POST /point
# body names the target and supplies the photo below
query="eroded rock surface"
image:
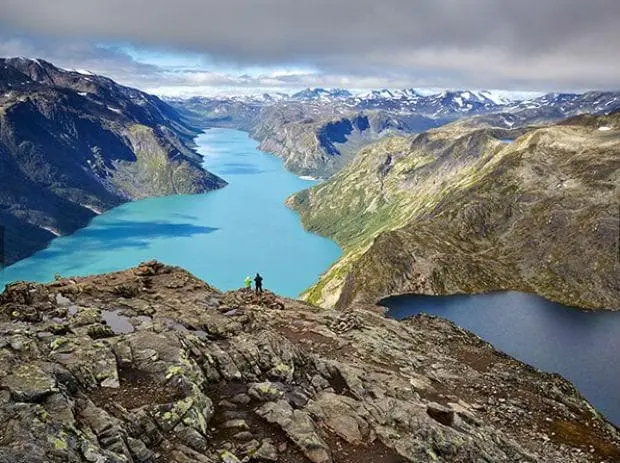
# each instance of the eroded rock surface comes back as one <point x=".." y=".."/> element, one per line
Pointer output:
<point x="230" y="377"/>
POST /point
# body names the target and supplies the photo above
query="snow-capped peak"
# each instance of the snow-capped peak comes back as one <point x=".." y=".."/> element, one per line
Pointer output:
<point x="321" y="94"/>
<point x="389" y="94"/>
<point x="84" y="72"/>
<point x="497" y="97"/>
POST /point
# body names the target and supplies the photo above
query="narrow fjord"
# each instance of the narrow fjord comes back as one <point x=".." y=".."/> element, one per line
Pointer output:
<point x="221" y="236"/>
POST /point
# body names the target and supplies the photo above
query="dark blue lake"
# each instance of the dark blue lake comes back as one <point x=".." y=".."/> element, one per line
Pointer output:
<point x="584" y="347"/>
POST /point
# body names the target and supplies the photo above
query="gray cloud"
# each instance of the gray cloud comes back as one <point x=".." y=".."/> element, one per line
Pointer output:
<point x="538" y="44"/>
<point x="72" y="54"/>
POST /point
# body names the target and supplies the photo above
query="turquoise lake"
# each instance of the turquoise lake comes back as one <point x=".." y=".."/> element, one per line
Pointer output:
<point x="221" y="236"/>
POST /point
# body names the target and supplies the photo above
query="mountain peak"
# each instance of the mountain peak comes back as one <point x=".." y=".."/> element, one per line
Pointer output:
<point x="320" y="93"/>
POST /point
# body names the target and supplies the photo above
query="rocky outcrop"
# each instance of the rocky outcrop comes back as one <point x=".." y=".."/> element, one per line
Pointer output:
<point x="184" y="373"/>
<point x="461" y="210"/>
<point x="74" y="145"/>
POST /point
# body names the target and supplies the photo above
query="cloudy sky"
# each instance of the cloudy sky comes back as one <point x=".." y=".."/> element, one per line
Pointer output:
<point x="205" y="46"/>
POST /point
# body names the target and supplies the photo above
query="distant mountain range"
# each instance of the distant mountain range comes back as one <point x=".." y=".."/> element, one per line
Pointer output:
<point x="321" y="94"/>
<point x="446" y="104"/>
<point x="73" y="145"/>
<point x="314" y="130"/>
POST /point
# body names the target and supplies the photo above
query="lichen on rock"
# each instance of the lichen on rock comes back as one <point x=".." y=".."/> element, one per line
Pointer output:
<point x="195" y="386"/>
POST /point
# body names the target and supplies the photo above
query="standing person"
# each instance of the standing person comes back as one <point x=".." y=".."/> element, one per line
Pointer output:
<point x="248" y="282"/>
<point x="258" y="283"/>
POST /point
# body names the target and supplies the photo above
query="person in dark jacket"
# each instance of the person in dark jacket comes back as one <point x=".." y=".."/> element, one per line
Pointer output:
<point x="258" y="283"/>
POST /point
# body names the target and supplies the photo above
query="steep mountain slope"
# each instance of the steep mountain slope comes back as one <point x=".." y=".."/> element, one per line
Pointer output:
<point x="462" y="210"/>
<point x="182" y="373"/>
<point x="315" y="142"/>
<point x="73" y="145"/>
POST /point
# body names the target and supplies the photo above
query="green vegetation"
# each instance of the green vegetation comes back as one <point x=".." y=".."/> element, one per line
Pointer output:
<point x="456" y="210"/>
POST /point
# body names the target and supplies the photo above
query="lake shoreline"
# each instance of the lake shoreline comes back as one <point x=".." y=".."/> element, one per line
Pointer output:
<point x="579" y="345"/>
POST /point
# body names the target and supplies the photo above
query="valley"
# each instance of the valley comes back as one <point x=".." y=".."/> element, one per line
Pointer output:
<point x="317" y="132"/>
<point x="75" y="144"/>
<point x="221" y="236"/>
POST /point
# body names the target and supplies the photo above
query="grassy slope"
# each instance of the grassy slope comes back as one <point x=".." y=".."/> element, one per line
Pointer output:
<point x="155" y="172"/>
<point x="455" y="210"/>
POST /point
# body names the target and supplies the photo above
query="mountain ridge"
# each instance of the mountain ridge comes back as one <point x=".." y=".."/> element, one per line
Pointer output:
<point x="74" y="145"/>
<point x="465" y="210"/>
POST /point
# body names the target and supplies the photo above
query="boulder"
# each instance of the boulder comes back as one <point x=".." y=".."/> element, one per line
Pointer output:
<point x="29" y="383"/>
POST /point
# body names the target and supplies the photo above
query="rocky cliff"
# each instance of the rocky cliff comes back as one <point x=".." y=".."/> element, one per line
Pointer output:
<point x="74" y="145"/>
<point x="154" y="365"/>
<point x="465" y="210"/>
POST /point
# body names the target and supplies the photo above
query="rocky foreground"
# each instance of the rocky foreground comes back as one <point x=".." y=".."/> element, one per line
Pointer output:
<point x="184" y="373"/>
